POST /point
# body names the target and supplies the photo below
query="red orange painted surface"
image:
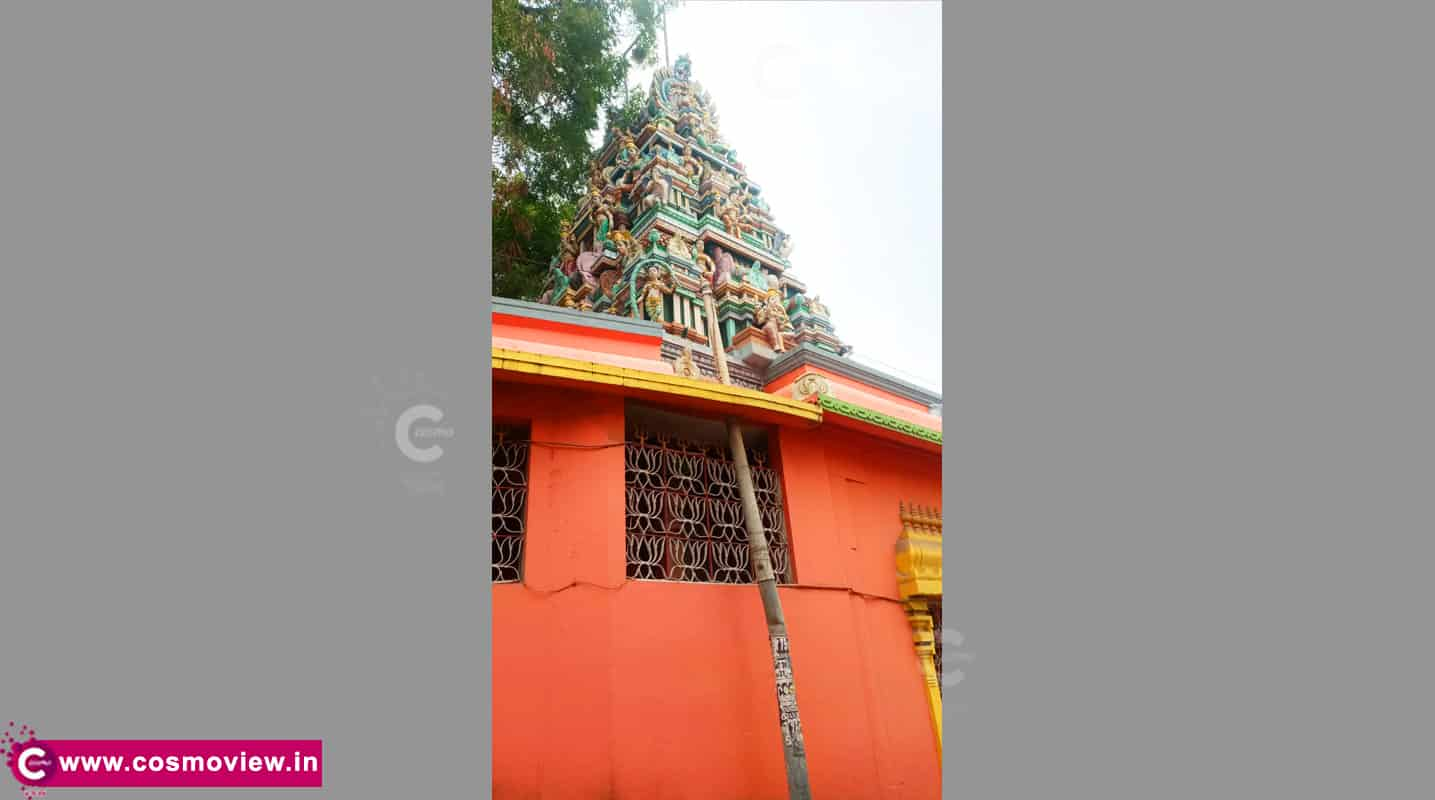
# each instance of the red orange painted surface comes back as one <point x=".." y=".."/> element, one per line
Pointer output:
<point x="581" y="342"/>
<point x="609" y="688"/>
<point x="854" y="391"/>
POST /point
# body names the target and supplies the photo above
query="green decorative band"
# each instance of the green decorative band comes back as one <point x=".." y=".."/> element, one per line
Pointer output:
<point x="830" y="403"/>
<point x="673" y="213"/>
<point x="642" y="222"/>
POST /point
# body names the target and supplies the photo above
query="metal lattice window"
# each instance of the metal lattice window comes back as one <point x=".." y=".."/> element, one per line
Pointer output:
<point x="684" y="517"/>
<point x="510" y="501"/>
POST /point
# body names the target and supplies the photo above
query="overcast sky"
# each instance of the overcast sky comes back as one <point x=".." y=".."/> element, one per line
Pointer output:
<point x="835" y="109"/>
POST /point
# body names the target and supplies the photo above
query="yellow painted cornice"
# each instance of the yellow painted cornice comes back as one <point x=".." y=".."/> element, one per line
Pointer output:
<point x="919" y="553"/>
<point x="568" y="369"/>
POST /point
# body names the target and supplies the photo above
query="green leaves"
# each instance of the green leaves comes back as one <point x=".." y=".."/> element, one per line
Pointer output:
<point x="556" y="64"/>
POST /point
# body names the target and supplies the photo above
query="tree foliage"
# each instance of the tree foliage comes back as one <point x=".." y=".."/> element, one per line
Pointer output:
<point x="556" y="65"/>
<point x="626" y="114"/>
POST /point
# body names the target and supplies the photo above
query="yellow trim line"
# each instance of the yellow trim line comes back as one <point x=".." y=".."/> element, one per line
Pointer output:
<point x="625" y="377"/>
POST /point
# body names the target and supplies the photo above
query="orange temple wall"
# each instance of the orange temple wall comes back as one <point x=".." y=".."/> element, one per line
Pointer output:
<point x="605" y="687"/>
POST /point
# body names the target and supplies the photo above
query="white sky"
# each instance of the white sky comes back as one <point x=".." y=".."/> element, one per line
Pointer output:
<point x="835" y="108"/>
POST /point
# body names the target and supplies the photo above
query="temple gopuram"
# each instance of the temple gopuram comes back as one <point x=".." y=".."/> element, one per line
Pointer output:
<point x="631" y="658"/>
<point x="670" y="208"/>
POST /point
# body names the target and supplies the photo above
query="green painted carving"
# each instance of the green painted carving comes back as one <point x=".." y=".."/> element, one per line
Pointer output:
<point x="673" y="212"/>
<point x="830" y="403"/>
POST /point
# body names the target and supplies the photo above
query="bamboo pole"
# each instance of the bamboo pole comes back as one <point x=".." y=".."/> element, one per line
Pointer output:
<point x="794" y="751"/>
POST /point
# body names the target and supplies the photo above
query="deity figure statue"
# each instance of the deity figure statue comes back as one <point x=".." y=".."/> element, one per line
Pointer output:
<point x="726" y="266"/>
<point x="655" y="285"/>
<point x="567" y="246"/>
<point x="731" y="218"/>
<point x="747" y="217"/>
<point x="784" y="245"/>
<point x="658" y="188"/>
<point x="772" y="319"/>
<point x="734" y="201"/>
<point x="690" y="124"/>
<point x="623" y="242"/>
<point x="798" y="304"/>
<point x="679" y="246"/>
<point x="582" y="274"/>
<point x="705" y="136"/>
<point x="602" y="214"/>
<point x="618" y="190"/>
<point x="607" y="282"/>
<point x="627" y="148"/>
<point x="692" y="165"/>
<point x="685" y="366"/>
<point x="817" y="306"/>
<point x="757" y="277"/>
<point x="680" y="97"/>
<point x="704" y="262"/>
<point x="597" y="177"/>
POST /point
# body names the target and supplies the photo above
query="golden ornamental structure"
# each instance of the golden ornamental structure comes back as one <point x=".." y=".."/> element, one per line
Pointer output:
<point x="919" y="584"/>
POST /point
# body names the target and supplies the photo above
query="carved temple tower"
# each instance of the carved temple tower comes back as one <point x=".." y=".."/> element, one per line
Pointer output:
<point x="668" y="207"/>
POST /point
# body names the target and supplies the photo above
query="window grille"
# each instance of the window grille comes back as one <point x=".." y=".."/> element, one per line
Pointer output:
<point x="684" y="514"/>
<point x="510" y="501"/>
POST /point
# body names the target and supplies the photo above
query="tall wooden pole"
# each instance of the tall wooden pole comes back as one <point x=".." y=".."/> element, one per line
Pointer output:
<point x="794" y="751"/>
